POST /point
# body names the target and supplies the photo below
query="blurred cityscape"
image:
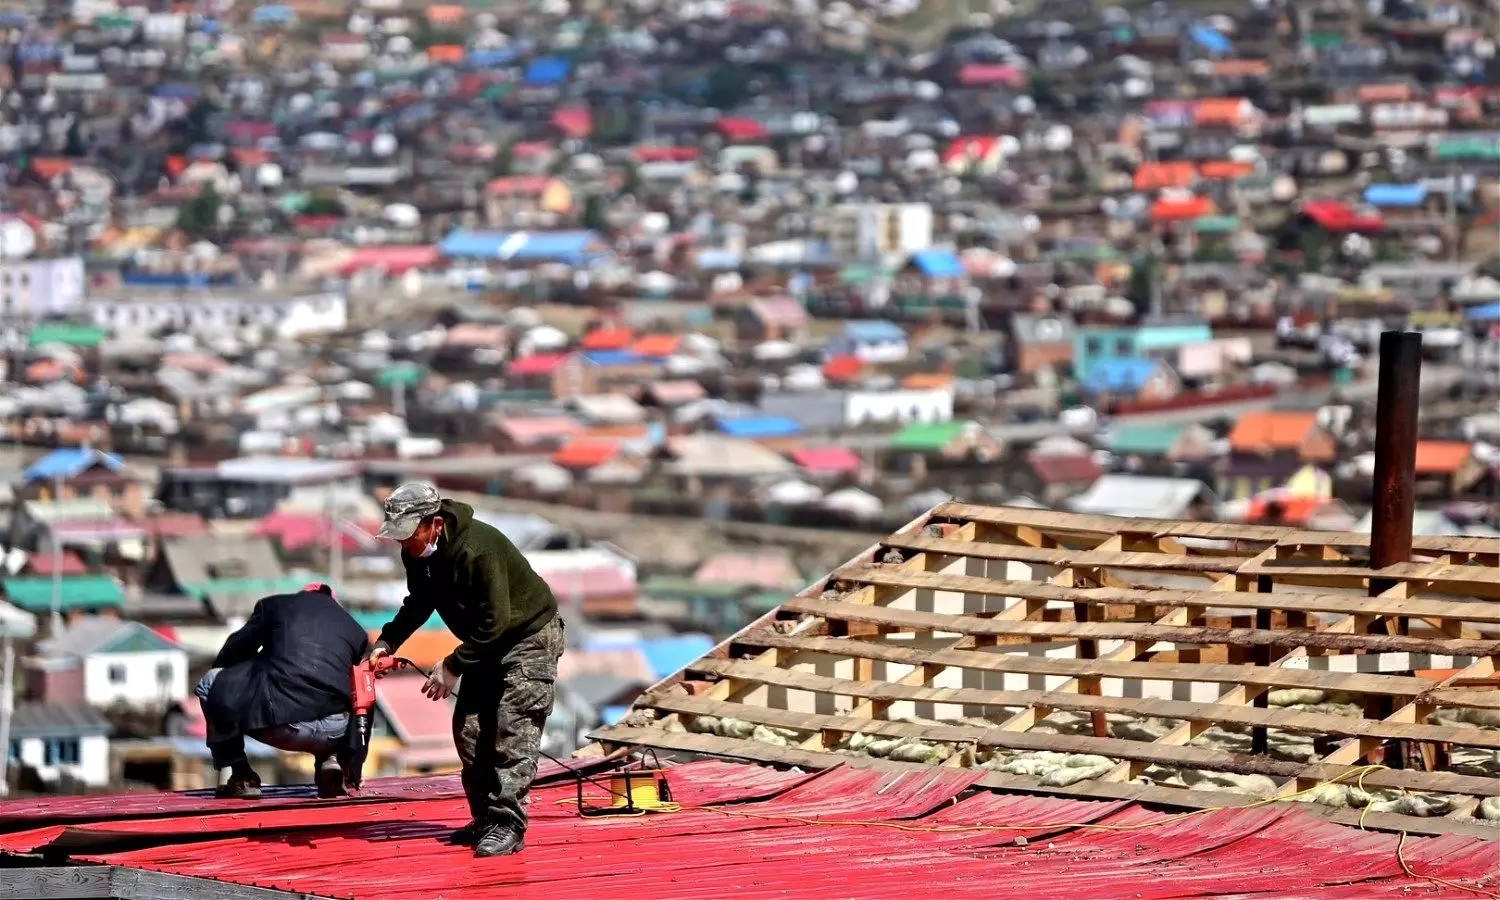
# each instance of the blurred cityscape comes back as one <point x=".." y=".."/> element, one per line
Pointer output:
<point x="692" y="300"/>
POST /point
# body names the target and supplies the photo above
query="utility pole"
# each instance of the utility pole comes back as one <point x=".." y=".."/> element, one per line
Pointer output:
<point x="7" y="707"/>
<point x="57" y="563"/>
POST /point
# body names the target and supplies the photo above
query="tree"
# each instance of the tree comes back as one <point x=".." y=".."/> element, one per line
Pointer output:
<point x="727" y="87"/>
<point x="75" y="145"/>
<point x="632" y="182"/>
<point x="1142" y="285"/>
<point x="199" y="216"/>
<point x="503" y="162"/>
<point x="593" y="213"/>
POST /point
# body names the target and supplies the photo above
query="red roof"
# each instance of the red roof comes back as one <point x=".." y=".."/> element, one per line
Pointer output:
<point x="1332" y="215"/>
<point x="843" y="368"/>
<point x="970" y="148"/>
<point x="536" y="364"/>
<point x="298" y="531"/>
<point x="739" y="128"/>
<point x="985" y="74"/>
<point x="666" y="154"/>
<point x="827" y="459"/>
<point x="573" y="122"/>
<point x="607" y="339"/>
<point x="518" y="185"/>
<point x="41" y="564"/>
<point x="1063" y="468"/>
<point x="395" y="259"/>
<point x="751" y="831"/>
<point x="585" y="454"/>
<point x="414" y="718"/>
<point x="1192" y="207"/>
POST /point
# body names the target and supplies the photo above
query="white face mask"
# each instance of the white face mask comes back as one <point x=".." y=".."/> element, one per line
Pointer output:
<point x="430" y="549"/>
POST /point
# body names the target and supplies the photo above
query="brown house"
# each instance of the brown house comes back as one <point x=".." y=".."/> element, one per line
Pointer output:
<point x="771" y="319"/>
<point x="83" y="473"/>
<point x="1266" y="447"/>
<point x="1054" y="477"/>
<point x="1040" y="342"/>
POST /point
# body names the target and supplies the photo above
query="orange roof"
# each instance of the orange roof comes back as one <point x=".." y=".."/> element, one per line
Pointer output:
<point x="1395" y="92"/>
<point x="607" y="339"/>
<point x="926" y="381"/>
<point x="1194" y="207"/>
<point x="426" y="647"/>
<point x="1158" y="175"/>
<point x="1225" y="169"/>
<point x="585" y="454"/>
<point x="444" y="13"/>
<point x="1240" y="68"/>
<point x="656" y="345"/>
<point x="1218" y="111"/>
<point x="50" y="167"/>
<point x="843" y="368"/>
<point x="1441" y="457"/>
<point x="613" y="432"/>
<point x="1292" y="511"/>
<point x="1271" y="430"/>
<point x="445" y="53"/>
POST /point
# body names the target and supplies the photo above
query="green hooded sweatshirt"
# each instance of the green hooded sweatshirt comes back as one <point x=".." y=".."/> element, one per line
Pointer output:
<point x="482" y="587"/>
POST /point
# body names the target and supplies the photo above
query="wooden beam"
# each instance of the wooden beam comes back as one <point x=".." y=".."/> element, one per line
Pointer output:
<point x="1018" y="662"/>
<point x="1062" y="558"/>
<point x="1340" y="604"/>
<point x="887" y="692"/>
<point x="1127" y="631"/>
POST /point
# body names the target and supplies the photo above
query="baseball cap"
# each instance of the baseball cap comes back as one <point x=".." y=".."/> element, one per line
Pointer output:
<point x="407" y="506"/>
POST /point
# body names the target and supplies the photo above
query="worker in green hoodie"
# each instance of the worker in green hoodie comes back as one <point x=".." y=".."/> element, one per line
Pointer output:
<point x="506" y="617"/>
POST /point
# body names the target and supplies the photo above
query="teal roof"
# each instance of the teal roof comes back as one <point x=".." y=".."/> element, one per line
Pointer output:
<point x="33" y="593"/>
<point x="1146" y="440"/>
<point x="676" y="587"/>
<point x="243" y="587"/>
<point x="375" y="619"/>
<point x="139" y="639"/>
<point x="926" y="436"/>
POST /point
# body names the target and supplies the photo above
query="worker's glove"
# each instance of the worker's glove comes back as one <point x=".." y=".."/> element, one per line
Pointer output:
<point x="380" y="649"/>
<point x="440" y="683"/>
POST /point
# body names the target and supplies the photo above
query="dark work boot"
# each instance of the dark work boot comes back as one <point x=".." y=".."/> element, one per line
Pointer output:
<point x="499" y="840"/>
<point x="468" y="835"/>
<point x="243" y="784"/>
<point x="330" y="778"/>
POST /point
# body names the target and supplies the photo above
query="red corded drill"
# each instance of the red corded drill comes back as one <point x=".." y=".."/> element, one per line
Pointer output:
<point x="362" y="689"/>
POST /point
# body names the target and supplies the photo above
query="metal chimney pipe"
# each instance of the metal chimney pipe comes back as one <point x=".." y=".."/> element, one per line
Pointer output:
<point x="1396" y="408"/>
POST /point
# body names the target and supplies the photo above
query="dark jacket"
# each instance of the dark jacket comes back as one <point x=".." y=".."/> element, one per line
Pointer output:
<point x="482" y="587"/>
<point x="289" y="663"/>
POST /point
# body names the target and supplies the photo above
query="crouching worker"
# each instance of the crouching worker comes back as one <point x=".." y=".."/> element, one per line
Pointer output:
<point x="283" y="679"/>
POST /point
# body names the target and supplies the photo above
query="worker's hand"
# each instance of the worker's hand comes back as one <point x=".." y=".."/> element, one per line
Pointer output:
<point x="440" y="683"/>
<point x="380" y="649"/>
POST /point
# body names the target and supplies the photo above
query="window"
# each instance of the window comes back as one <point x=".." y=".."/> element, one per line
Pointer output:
<point x="15" y="751"/>
<point x="164" y="674"/>
<point x="1122" y="346"/>
<point x="1093" y="346"/>
<point x="116" y="674"/>
<point x="61" y="751"/>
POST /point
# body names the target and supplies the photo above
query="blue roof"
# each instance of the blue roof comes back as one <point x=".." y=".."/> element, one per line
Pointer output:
<point x="1484" y="312"/>
<point x="612" y="357"/>
<point x="547" y="70"/>
<point x="1114" y="375"/>
<point x="521" y="246"/>
<point x="1210" y="39"/>
<point x="70" y="462"/>
<point x="271" y="12"/>
<point x="938" y="263"/>
<point x="176" y="91"/>
<point x="1399" y="195"/>
<point x="759" y="427"/>
<point x="499" y="56"/>
<point x="667" y="655"/>
<point x="874" y="331"/>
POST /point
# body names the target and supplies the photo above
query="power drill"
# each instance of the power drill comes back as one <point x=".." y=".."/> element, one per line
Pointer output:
<point x="362" y="689"/>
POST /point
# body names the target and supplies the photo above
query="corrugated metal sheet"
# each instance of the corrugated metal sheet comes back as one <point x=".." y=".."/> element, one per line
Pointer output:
<point x="841" y="832"/>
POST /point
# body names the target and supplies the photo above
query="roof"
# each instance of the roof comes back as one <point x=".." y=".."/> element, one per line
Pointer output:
<point x="782" y="311"/>
<point x="1146" y="440"/>
<point x="91" y="635"/>
<point x="1117" y="494"/>
<point x="756" y="427"/>
<point x="231" y="574"/>
<point x="34" y="594"/>
<point x="1114" y="375"/>
<point x="1340" y="218"/>
<point x="770" y="570"/>
<point x="927" y="437"/>
<point x="958" y="644"/>
<point x="536" y="364"/>
<point x="1063" y="468"/>
<point x="1442" y="457"/>
<point x="874" y="331"/>
<point x="711" y="455"/>
<point x="70" y="462"/>
<point x="414" y="718"/>
<point x="1259" y="431"/>
<point x="833" y="459"/>
<point x="937" y="263"/>
<point x="750" y="830"/>
<point x="55" y="720"/>
<point x="522" y="246"/>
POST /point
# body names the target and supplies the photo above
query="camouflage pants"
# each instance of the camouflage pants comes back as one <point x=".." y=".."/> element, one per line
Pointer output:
<point x="497" y="726"/>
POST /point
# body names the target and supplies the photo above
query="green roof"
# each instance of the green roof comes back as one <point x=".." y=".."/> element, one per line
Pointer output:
<point x="375" y="619"/>
<point x="244" y="587"/>
<point x="139" y="639"/>
<point x="406" y="374"/>
<point x="926" y="436"/>
<point x="1216" y="224"/>
<point x="1324" y="40"/>
<point x="676" y="587"/>
<point x="1146" y="440"/>
<point x="33" y="593"/>
<point x="1468" y="148"/>
<point x="66" y="333"/>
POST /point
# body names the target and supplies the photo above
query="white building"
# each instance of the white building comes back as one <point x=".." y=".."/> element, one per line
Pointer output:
<point x="60" y="741"/>
<point x="32" y="288"/>
<point x="873" y="230"/>
<point x="287" y="316"/>
<point x="103" y="662"/>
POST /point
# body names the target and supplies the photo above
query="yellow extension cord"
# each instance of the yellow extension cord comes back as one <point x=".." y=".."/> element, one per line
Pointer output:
<point x="643" y="795"/>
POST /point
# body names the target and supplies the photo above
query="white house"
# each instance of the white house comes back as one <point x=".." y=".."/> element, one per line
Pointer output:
<point x="287" y="316"/>
<point x="914" y="405"/>
<point x="870" y="341"/>
<point x="103" y="661"/>
<point x="31" y="288"/>
<point x="60" y="741"/>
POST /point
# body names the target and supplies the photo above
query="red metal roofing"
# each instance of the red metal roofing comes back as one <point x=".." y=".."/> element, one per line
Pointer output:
<point x="841" y="832"/>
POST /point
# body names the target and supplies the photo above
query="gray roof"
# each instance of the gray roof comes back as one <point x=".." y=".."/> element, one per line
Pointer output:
<point x="56" y="720"/>
<point x="599" y="688"/>
<point x="1140" y="495"/>
<point x="205" y="559"/>
<point x="526" y="531"/>
<point x="84" y="636"/>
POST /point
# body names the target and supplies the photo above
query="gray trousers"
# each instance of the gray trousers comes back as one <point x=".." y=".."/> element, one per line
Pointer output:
<point x="320" y="737"/>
